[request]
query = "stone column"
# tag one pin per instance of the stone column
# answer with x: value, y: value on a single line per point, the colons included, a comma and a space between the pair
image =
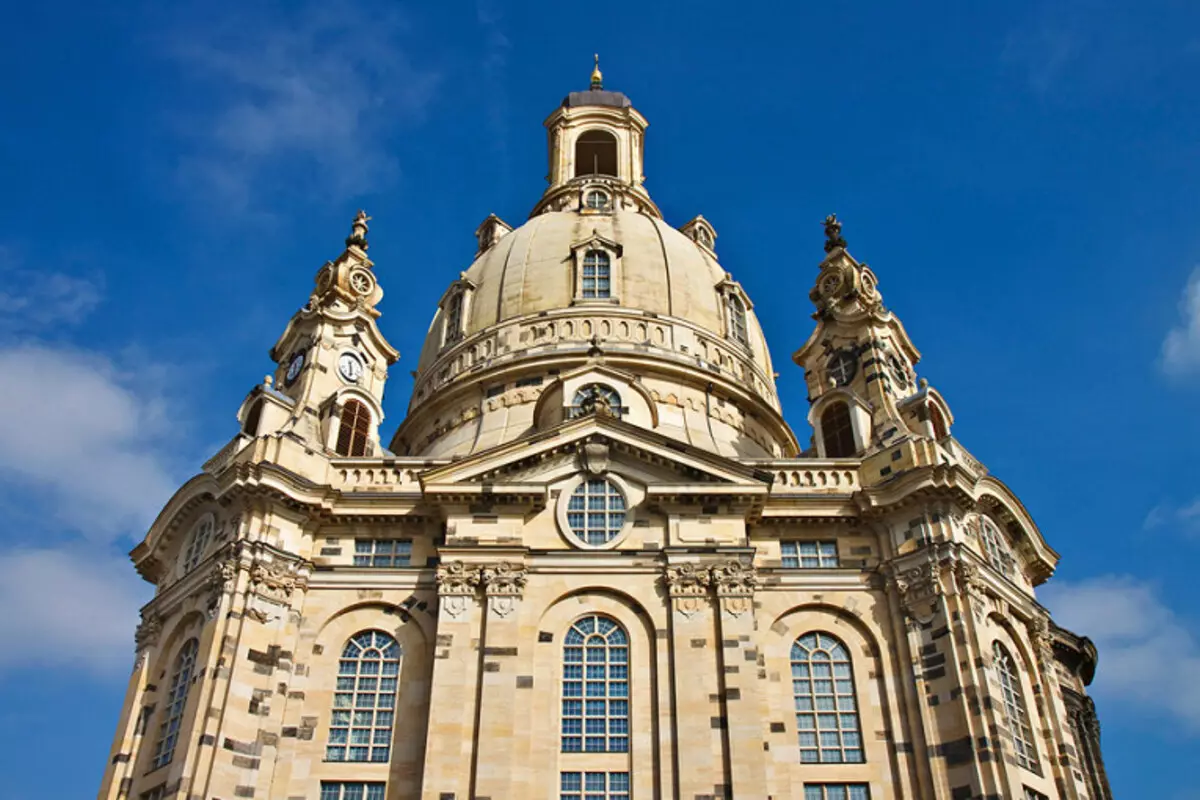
x: 743, y: 677
x: 701, y: 765
x: 453, y: 689
x: 498, y: 771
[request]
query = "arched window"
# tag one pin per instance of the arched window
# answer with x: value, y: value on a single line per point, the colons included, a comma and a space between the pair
x: 596, y: 511
x: 595, y: 689
x: 995, y: 547
x: 597, y: 275
x: 594, y: 392
x: 837, y: 431
x: 596, y: 199
x: 1014, y: 708
x: 826, y: 709
x: 737, y: 319
x: 177, y: 692
x: 197, y: 544
x: 250, y: 426
x: 454, y: 318
x: 364, y: 704
x: 596, y: 154
x: 938, y: 422
x: 354, y: 430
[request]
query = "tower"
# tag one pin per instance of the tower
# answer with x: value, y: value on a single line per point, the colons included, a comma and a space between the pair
x: 593, y: 561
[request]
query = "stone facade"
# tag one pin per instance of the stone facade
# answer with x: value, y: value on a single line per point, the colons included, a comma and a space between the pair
x: 599, y: 468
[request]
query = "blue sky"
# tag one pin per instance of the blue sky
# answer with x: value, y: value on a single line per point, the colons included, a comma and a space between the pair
x: 1023, y: 178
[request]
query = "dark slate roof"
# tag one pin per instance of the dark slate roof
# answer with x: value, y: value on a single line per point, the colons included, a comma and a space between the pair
x: 593, y: 97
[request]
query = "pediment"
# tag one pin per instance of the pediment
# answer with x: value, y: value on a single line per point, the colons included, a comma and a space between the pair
x: 598, y: 443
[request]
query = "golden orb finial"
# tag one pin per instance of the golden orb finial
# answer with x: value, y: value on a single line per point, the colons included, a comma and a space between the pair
x: 597, y: 75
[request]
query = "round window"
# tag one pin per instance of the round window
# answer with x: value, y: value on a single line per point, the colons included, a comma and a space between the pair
x: 596, y: 199
x: 596, y: 511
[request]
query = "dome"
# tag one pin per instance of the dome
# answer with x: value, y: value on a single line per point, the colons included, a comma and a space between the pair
x: 659, y: 270
x: 595, y: 293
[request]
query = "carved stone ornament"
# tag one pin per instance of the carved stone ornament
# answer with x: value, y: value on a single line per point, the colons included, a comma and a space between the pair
x: 147, y: 632
x: 687, y: 585
x: 735, y: 584
x: 918, y: 585
x: 969, y: 582
x: 457, y: 584
x: 273, y: 581
x: 593, y: 457
x: 503, y: 583
x: 1040, y: 638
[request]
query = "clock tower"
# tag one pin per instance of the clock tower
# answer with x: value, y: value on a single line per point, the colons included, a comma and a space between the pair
x: 332, y: 361
x: 859, y: 364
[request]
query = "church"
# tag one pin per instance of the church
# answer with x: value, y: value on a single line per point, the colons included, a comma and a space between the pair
x: 594, y: 562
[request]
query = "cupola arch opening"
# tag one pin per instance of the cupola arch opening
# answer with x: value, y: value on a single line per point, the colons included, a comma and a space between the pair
x: 596, y: 153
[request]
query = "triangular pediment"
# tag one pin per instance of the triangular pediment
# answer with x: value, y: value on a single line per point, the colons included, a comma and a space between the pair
x: 574, y: 445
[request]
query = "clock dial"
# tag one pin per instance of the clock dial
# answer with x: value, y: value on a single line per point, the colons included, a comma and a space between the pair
x: 842, y: 366
x: 295, y: 366
x: 350, y: 367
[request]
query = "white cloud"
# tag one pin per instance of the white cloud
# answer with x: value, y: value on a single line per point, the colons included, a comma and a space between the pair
x: 73, y: 608
x: 317, y: 92
x: 1149, y: 655
x: 76, y: 429
x: 1184, y: 519
x: 1043, y: 50
x: 45, y: 298
x: 1181, y: 348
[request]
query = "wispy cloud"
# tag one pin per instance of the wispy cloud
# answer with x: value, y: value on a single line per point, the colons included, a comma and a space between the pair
x: 33, y: 299
x: 1184, y: 519
x: 1149, y: 654
x: 1043, y: 51
x: 310, y: 98
x: 1181, y: 348
x: 83, y: 601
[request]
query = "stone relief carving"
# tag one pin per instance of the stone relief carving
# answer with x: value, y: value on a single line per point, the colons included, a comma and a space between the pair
x: 273, y: 581
x: 918, y: 585
x: 147, y: 633
x: 1040, y: 638
x: 735, y: 584
x: 687, y: 586
x: 457, y: 584
x: 503, y: 583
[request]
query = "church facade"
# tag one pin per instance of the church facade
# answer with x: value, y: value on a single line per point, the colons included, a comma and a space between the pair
x: 594, y: 563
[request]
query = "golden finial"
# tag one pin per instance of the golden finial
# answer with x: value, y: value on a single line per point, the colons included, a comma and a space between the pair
x: 597, y: 75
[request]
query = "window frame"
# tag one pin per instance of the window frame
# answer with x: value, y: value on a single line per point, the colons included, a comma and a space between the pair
x: 197, y: 544
x: 584, y: 673
x: 178, y: 689
x: 611, y: 394
x: 1016, y: 710
x: 844, y: 791
x: 400, y: 548
x: 843, y: 435
x: 996, y: 549
x: 340, y: 790
x: 821, y: 554
x: 739, y: 325
x: 353, y: 689
x: 354, y: 439
x: 564, y: 511
x: 581, y: 790
x: 803, y: 671
x: 579, y: 257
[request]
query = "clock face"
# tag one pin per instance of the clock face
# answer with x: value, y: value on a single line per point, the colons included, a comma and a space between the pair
x: 295, y: 366
x: 350, y: 367
x: 842, y: 366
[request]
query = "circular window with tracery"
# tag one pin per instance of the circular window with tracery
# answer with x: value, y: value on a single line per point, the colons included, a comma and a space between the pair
x: 596, y: 200
x: 596, y: 511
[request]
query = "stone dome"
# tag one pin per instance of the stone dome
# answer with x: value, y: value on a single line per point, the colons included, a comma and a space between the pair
x: 595, y: 292
x: 660, y: 270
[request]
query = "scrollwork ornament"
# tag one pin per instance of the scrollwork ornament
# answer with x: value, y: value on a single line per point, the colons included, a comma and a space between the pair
x: 147, y: 633
x: 1041, y: 639
x: 503, y: 583
x: 687, y: 585
x: 272, y: 581
x: 735, y: 584
x: 457, y: 583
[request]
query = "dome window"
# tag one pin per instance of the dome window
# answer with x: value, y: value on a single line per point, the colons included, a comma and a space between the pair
x: 596, y: 154
x: 737, y: 320
x: 595, y: 395
x: 837, y: 431
x: 597, y: 275
x: 596, y: 200
x: 454, y: 318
